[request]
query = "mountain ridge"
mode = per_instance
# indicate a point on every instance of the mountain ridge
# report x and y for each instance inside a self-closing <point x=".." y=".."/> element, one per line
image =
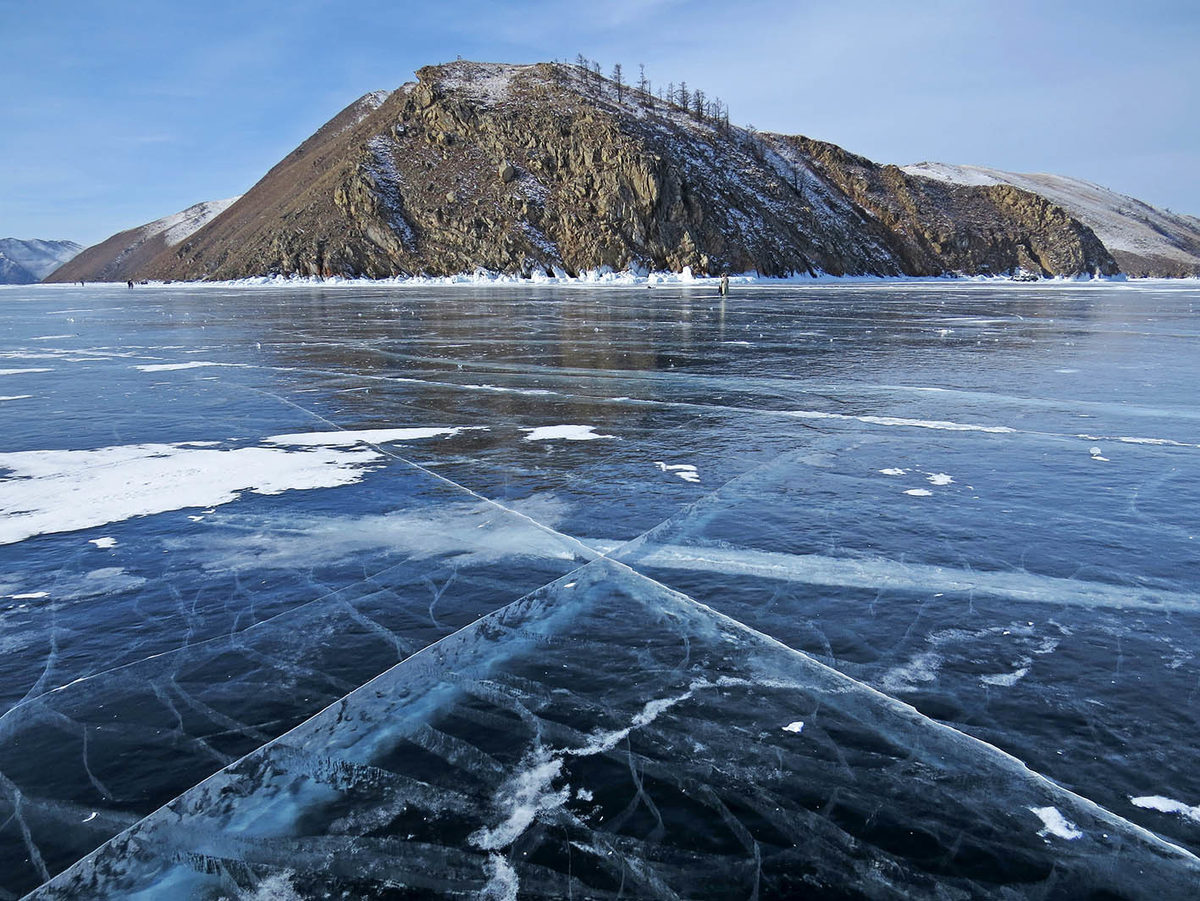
<point x="123" y="255"/>
<point x="26" y="261"/>
<point x="550" y="167"/>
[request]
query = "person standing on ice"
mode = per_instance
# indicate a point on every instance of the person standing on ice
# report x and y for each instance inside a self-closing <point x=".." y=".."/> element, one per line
<point x="723" y="290"/>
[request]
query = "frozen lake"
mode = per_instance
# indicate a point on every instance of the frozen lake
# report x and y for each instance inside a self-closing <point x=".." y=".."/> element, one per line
<point x="868" y="590"/>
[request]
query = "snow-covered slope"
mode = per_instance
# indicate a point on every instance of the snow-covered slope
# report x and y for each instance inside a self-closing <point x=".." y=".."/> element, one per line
<point x="23" y="262"/>
<point x="1144" y="240"/>
<point x="119" y="257"/>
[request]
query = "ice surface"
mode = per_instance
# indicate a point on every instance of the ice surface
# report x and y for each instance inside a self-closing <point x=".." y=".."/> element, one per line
<point x="511" y="713"/>
<point x="493" y="732"/>
<point x="349" y="438"/>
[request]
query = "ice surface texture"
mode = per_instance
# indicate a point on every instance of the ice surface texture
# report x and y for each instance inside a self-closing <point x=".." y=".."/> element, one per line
<point x="722" y="651"/>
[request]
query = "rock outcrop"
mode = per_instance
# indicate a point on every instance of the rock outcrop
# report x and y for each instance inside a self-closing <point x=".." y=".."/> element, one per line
<point x="521" y="169"/>
<point x="1144" y="240"/>
<point x="24" y="262"/>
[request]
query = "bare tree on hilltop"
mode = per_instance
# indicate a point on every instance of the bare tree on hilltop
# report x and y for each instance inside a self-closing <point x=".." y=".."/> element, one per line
<point x="694" y="103"/>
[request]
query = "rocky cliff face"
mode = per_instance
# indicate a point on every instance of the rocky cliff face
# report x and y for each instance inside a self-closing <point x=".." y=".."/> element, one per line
<point x="1144" y="240"/>
<point x="526" y="168"/>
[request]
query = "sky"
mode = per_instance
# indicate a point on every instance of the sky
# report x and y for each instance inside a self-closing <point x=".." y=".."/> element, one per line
<point x="120" y="112"/>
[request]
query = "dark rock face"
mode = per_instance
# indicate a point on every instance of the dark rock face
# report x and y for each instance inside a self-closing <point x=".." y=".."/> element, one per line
<point x="525" y="168"/>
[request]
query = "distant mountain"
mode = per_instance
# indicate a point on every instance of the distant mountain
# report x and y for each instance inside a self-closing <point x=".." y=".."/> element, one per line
<point x="1144" y="240"/>
<point x="550" y="167"/>
<point x="545" y="167"/>
<point x="123" y="255"/>
<point x="26" y="262"/>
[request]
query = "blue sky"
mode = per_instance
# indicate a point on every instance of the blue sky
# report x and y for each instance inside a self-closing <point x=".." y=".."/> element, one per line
<point x="116" y="113"/>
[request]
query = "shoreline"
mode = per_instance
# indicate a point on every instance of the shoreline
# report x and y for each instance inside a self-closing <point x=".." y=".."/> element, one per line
<point x="606" y="278"/>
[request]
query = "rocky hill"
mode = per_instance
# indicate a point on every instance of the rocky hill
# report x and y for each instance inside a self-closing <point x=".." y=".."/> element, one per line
<point x="23" y="262"/>
<point x="127" y="253"/>
<point x="550" y="168"/>
<point x="1144" y="240"/>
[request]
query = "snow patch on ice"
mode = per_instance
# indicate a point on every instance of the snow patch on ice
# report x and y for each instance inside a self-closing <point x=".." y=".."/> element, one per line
<point x="685" y="471"/>
<point x="940" y="478"/>
<point x="1167" y="805"/>
<point x="919" y="492"/>
<point x="564" y="433"/>
<point x="797" y="726"/>
<point x="170" y="367"/>
<point x="22" y="371"/>
<point x="892" y="471"/>
<point x="51" y="491"/>
<point x="103" y="543"/>
<point x="1054" y="823"/>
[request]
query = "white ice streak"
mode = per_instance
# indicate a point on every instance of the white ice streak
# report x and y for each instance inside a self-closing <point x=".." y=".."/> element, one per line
<point x="346" y="438"/>
<point x="1167" y="805"/>
<point x="564" y="433"/>
<point x="4" y="397"/>
<point x="1054" y="823"/>
<point x="1125" y="439"/>
<point x="502" y="881"/>
<point x="65" y="490"/>
<point x="22" y="371"/>
<point x="919" y="492"/>
<point x="525" y="795"/>
<point x="1005" y="680"/>
<point x="872" y="572"/>
<point x="941" y="425"/>
<point x="472" y="533"/>
<point x="531" y="791"/>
